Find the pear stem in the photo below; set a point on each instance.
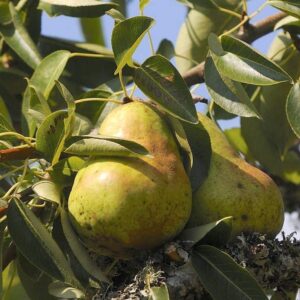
(123, 84)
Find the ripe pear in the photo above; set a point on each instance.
(235, 188)
(122, 204)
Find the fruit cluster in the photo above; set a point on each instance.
(122, 205)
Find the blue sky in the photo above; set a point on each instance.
(168, 14)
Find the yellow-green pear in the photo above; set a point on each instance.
(124, 204)
(235, 188)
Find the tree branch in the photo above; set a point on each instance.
(274, 264)
(249, 33)
(18, 153)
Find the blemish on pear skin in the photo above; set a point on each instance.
(240, 186)
(244, 217)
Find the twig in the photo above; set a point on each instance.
(248, 35)
(200, 99)
(261, 28)
(195, 75)
(18, 153)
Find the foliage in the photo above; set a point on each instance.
(55, 93)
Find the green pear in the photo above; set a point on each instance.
(122, 204)
(235, 188)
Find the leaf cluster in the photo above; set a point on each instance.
(55, 93)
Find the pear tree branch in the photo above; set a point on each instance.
(248, 33)
(18, 153)
(273, 263)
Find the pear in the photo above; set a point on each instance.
(235, 188)
(119, 205)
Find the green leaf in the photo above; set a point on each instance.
(11, 284)
(186, 151)
(2, 234)
(291, 7)
(222, 277)
(76, 8)
(221, 114)
(166, 49)
(43, 79)
(199, 142)
(49, 45)
(34, 281)
(88, 71)
(126, 37)
(228, 94)
(215, 45)
(47, 190)
(209, 4)
(62, 290)
(220, 235)
(92, 30)
(5, 125)
(13, 79)
(159, 293)
(49, 70)
(260, 145)
(291, 167)
(104, 146)
(287, 22)
(16, 36)
(160, 81)
(4, 13)
(80, 251)
(35, 243)
(67, 97)
(271, 100)
(201, 20)
(92, 109)
(4, 110)
(285, 294)
(68, 121)
(197, 234)
(116, 15)
(247, 52)
(38, 104)
(122, 6)
(143, 4)
(51, 133)
(32, 19)
(242, 63)
(293, 108)
(81, 125)
(62, 173)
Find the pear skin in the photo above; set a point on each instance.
(124, 204)
(235, 188)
